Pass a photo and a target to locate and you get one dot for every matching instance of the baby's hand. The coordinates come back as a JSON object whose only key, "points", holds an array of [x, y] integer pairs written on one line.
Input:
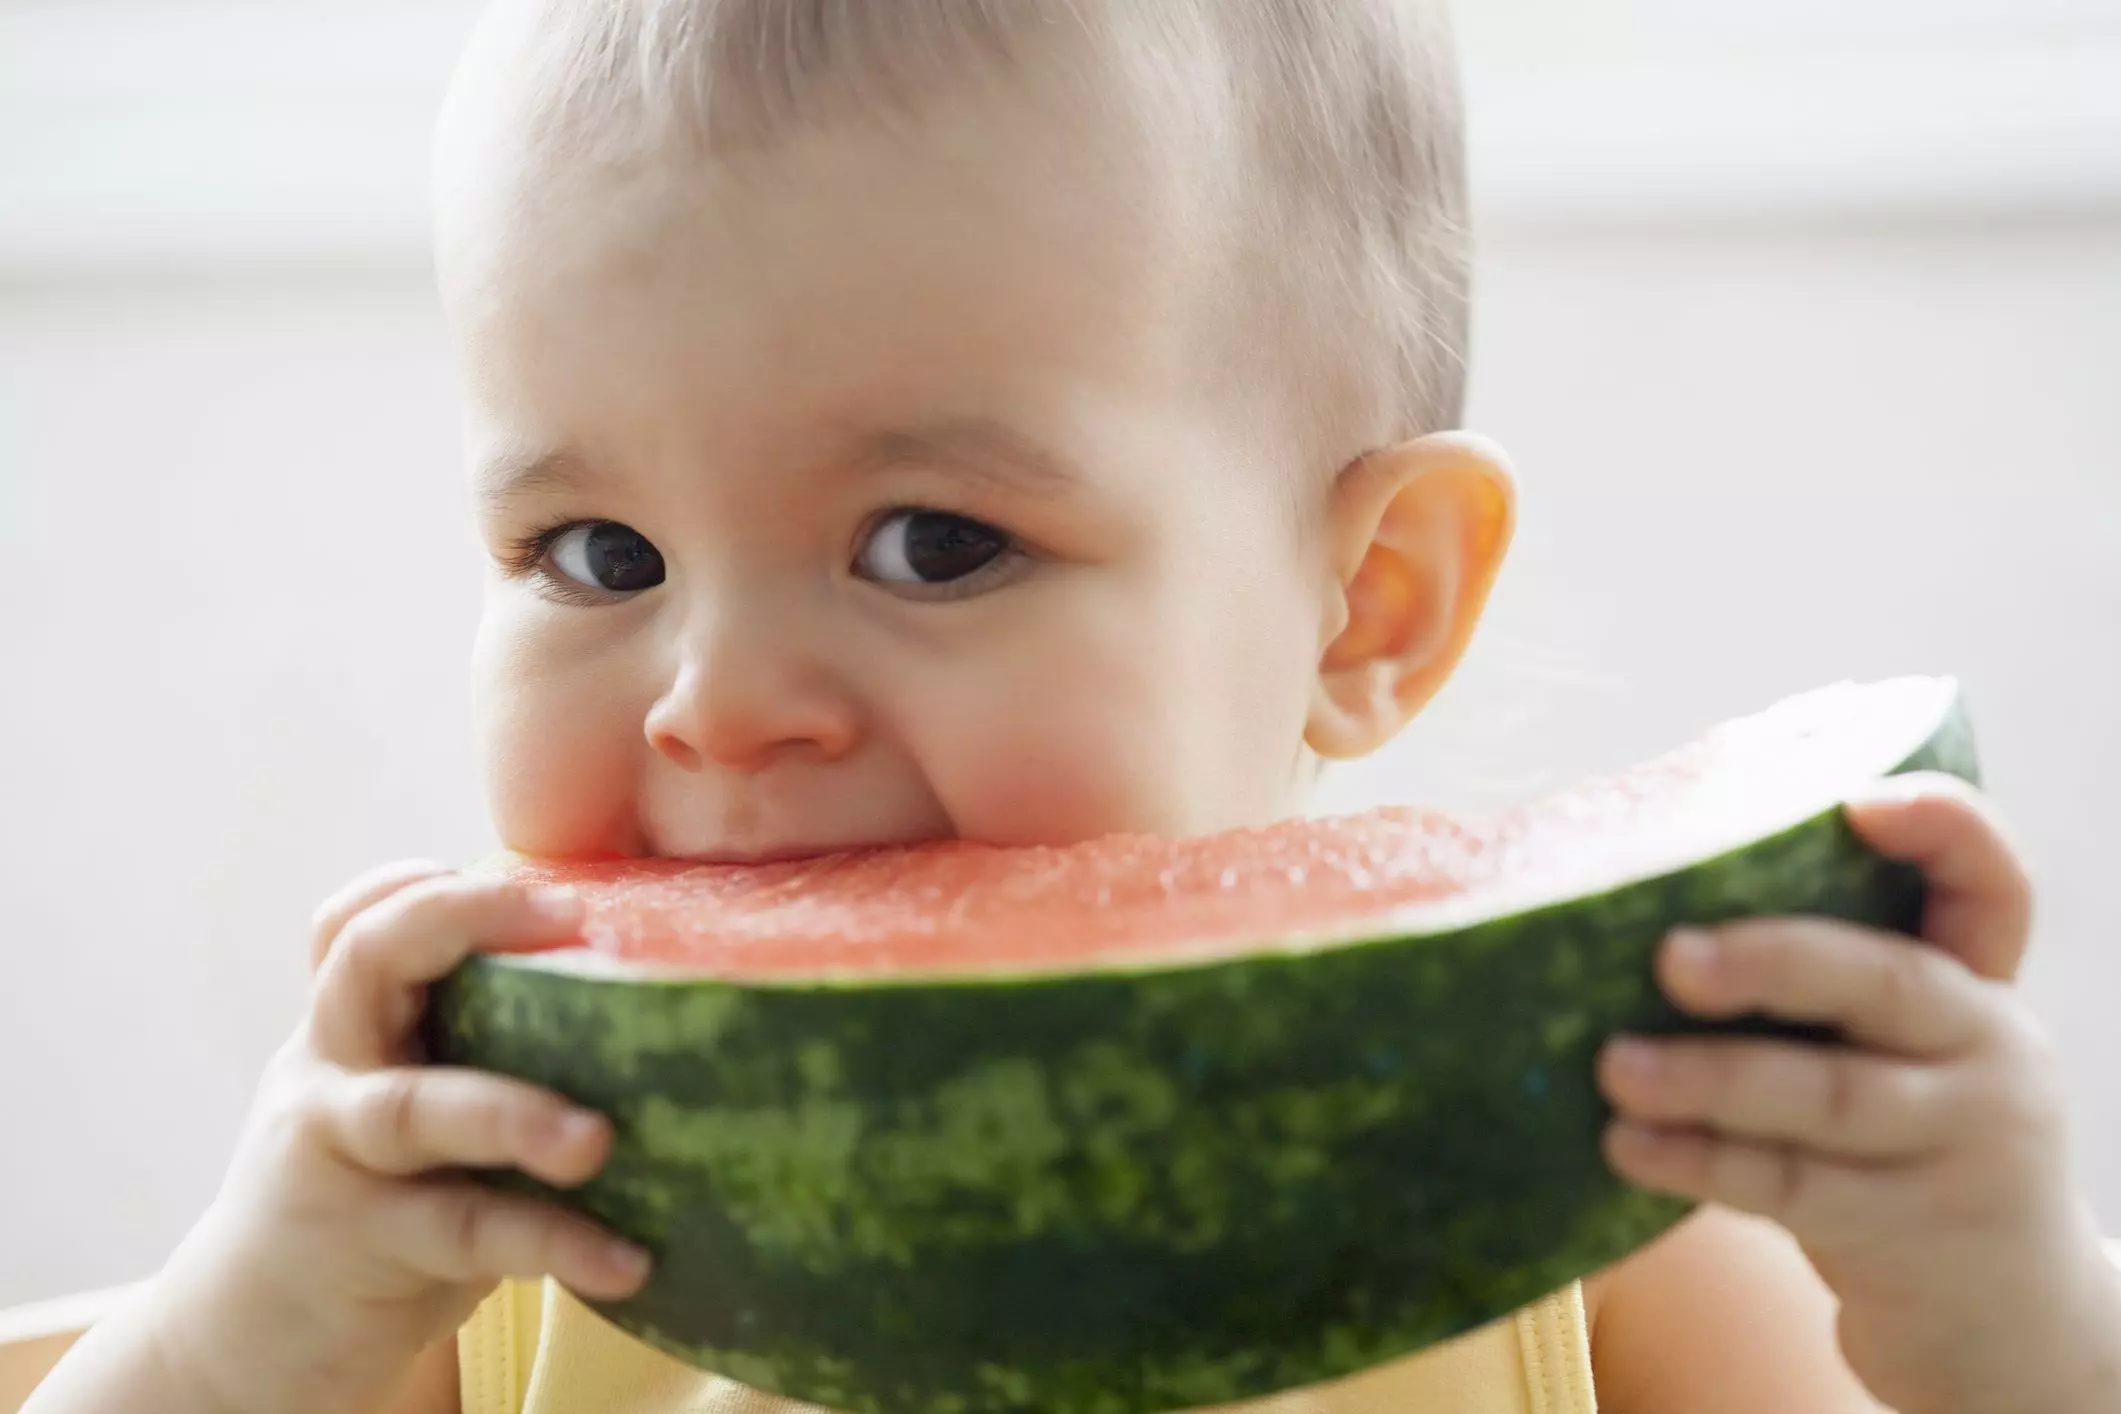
{"points": [[340, 1244], [1923, 1166]]}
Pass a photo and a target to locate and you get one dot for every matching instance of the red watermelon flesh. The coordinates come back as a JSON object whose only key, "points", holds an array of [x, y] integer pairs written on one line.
{"points": [[960, 908]]}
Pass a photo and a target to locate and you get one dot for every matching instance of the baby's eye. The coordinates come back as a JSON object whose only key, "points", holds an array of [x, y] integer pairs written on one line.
{"points": [[929, 547], [602, 554]]}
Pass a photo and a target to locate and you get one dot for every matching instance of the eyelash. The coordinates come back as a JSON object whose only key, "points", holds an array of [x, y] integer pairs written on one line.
{"points": [[1011, 560], [526, 553], [525, 557]]}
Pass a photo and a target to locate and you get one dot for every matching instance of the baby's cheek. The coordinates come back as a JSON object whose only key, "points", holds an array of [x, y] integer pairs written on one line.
{"points": [[551, 796], [1057, 762], [559, 760]]}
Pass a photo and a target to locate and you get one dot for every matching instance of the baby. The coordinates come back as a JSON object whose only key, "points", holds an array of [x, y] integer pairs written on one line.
{"points": [[1027, 420]]}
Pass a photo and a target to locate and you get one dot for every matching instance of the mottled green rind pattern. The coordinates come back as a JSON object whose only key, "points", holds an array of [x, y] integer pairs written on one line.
{"points": [[1113, 1194]]}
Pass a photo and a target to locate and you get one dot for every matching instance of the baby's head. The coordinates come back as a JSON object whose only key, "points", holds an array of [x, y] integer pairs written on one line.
{"points": [[1023, 420]]}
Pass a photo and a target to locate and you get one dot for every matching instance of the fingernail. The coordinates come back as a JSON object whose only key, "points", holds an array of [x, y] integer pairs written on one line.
{"points": [[1633, 1056], [1892, 790], [1631, 1138], [556, 904], [626, 1261], [1691, 948], [576, 1128]]}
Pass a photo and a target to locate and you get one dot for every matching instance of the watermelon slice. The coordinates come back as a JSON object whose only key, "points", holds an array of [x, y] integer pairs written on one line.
{"points": [[1146, 1124]]}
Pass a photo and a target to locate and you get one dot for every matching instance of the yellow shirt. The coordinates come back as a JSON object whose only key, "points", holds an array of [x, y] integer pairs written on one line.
{"points": [[531, 1348]]}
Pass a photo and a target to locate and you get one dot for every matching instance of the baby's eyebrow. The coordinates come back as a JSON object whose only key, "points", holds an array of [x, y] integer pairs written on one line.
{"points": [[517, 477], [979, 448]]}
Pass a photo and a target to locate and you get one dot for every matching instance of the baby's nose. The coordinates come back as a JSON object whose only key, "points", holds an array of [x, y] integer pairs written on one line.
{"points": [[746, 697]]}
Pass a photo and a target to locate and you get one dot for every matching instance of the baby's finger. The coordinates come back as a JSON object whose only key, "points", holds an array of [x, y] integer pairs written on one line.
{"points": [[410, 1119], [1981, 901], [364, 891], [1831, 1100], [371, 989], [463, 1233], [1816, 1199], [1880, 989]]}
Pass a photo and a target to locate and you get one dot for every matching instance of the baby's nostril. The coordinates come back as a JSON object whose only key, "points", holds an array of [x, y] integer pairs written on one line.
{"points": [[683, 753]]}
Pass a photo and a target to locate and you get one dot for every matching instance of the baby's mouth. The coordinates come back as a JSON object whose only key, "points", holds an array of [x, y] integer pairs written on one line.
{"points": [[742, 837], [775, 854], [796, 853]]}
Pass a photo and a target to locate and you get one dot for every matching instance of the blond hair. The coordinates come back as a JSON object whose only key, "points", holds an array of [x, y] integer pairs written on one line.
{"points": [[1345, 115]]}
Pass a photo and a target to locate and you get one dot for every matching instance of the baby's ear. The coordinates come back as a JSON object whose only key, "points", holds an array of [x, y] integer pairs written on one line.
{"points": [[1417, 533]]}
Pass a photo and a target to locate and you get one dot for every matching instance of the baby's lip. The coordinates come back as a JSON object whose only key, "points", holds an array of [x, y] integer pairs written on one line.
{"points": [[795, 851], [784, 854], [776, 854]]}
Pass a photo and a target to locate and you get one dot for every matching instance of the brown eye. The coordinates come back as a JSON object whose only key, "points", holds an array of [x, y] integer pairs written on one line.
{"points": [[929, 547], [602, 554]]}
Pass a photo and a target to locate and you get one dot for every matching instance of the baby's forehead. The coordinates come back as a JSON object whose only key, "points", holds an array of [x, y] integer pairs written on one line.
{"points": [[587, 124], [724, 78], [1329, 128]]}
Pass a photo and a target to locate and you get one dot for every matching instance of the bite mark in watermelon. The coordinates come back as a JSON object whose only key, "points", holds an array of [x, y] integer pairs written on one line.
{"points": [[1148, 1124]]}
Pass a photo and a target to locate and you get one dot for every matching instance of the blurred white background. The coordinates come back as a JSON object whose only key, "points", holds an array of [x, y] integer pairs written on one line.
{"points": [[1804, 321]]}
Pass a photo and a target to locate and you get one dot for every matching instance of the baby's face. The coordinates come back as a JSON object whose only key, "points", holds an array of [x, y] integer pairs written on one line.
{"points": [[887, 486]]}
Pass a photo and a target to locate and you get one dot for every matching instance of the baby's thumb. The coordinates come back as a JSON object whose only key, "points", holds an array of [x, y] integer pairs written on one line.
{"points": [[1980, 898]]}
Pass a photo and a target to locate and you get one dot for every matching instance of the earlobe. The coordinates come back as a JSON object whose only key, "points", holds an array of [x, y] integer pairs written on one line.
{"points": [[1418, 533]]}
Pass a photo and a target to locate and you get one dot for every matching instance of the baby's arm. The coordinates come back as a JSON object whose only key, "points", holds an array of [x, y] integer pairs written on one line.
{"points": [[341, 1251], [119, 1364]]}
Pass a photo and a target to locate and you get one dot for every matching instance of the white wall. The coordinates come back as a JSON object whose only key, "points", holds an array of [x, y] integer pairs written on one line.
{"points": [[1772, 432]]}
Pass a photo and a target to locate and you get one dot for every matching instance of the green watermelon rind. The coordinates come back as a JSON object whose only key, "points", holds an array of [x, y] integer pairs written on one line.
{"points": [[1119, 1192]]}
